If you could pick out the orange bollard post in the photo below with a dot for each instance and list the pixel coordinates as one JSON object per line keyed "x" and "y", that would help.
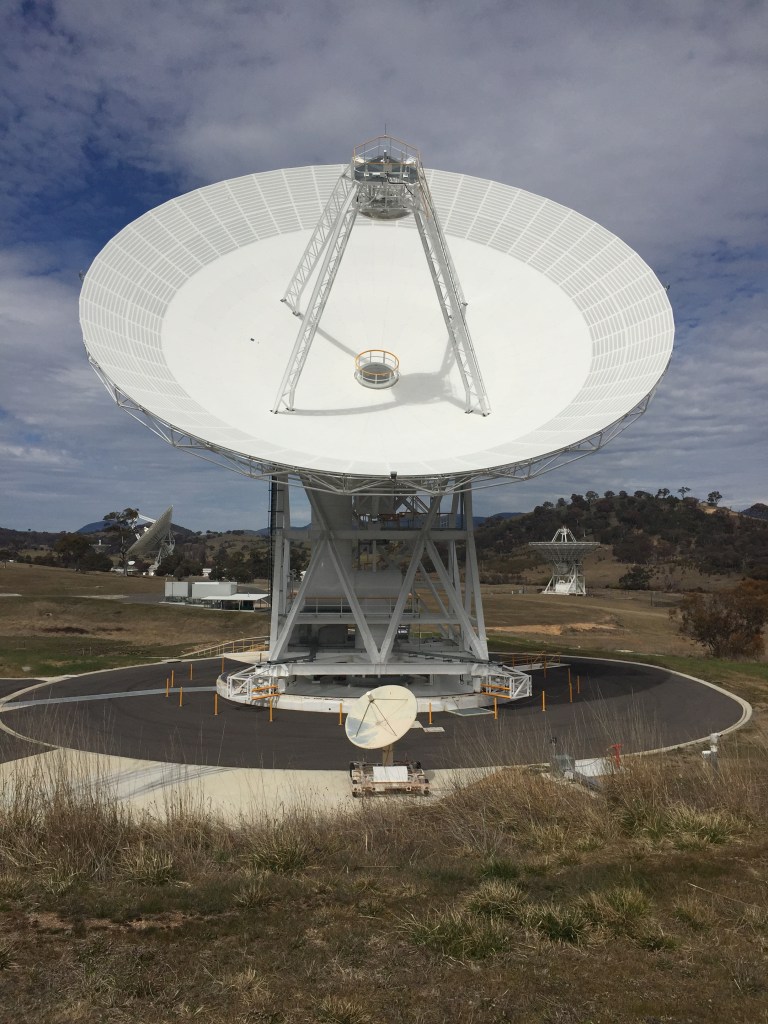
{"x": 430, "y": 712}
{"x": 167, "y": 686}
{"x": 495, "y": 707}
{"x": 215, "y": 703}
{"x": 190, "y": 670}
{"x": 173, "y": 678}
{"x": 578, "y": 684}
{"x": 570, "y": 693}
{"x": 341, "y": 709}
{"x": 270, "y": 709}
{"x": 181, "y": 696}
{"x": 543, "y": 700}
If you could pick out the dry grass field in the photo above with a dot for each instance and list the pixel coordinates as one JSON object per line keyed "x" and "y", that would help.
{"x": 514, "y": 899}
{"x": 637, "y": 621}
{"x": 66, "y": 622}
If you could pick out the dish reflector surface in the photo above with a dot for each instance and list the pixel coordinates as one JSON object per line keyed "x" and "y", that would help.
{"x": 151, "y": 538}
{"x": 181, "y": 312}
{"x": 380, "y": 717}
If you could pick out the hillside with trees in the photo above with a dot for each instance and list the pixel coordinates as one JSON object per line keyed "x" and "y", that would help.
{"x": 657, "y": 540}
{"x": 659, "y": 532}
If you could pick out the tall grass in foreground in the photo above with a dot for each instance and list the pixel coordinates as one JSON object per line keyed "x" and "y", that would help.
{"x": 181, "y": 912}
{"x": 60, "y": 818}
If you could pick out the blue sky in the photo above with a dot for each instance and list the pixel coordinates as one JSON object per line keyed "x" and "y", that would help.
{"x": 649, "y": 118}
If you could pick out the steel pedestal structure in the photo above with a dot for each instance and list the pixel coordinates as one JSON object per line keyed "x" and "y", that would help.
{"x": 391, "y": 593}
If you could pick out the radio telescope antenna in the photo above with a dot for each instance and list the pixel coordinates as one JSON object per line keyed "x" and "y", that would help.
{"x": 571, "y": 328}
{"x": 385, "y": 181}
{"x": 158, "y": 538}
{"x": 567, "y": 557}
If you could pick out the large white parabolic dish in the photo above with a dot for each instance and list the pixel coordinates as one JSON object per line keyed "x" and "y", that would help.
{"x": 182, "y": 318}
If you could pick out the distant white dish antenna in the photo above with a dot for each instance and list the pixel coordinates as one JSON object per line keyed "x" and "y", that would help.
{"x": 381, "y": 717}
{"x": 158, "y": 538}
{"x": 567, "y": 557}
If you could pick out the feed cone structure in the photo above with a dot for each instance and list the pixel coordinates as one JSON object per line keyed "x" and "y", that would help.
{"x": 388, "y": 338}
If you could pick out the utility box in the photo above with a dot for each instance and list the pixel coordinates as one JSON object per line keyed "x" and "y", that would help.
{"x": 224, "y": 588}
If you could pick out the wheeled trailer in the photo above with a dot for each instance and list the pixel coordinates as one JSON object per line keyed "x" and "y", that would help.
{"x": 401, "y": 777}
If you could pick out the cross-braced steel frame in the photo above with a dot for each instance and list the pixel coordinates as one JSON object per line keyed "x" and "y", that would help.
{"x": 436, "y": 551}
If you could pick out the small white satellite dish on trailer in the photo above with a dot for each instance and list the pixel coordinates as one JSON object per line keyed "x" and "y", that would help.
{"x": 377, "y": 720}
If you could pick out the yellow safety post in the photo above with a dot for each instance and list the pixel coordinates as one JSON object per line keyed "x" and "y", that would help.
{"x": 181, "y": 696}
{"x": 341, "y": 709}
{"x": 495, "y": 707}
{"x": 570, "y": 693}
{"x": 578, "y": 684}
{"x": 430, "y": 712}
{"x": 167, "y": 686}
{"x": 190, "y": 670}
{"x": 173, "y": 680}
{"x": 216, "y": 703}
{"x": 543, "y": 700}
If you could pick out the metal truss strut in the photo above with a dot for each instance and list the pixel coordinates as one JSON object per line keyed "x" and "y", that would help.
{"x": 317, "y": 242}
{"x": 333, "y": 246}
{"x": 450, "y": 296}
{"x": 328, "y": 242}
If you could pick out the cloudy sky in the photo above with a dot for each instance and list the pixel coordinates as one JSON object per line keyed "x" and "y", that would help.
{"x": 649, "y": 118}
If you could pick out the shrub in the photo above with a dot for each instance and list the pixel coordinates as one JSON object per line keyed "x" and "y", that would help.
{"x": 728, "y": 623}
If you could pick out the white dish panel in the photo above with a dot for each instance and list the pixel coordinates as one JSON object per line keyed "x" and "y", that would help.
{"x": 381, "y": 717}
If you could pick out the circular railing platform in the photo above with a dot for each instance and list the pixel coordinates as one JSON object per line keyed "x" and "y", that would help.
{"x": 377, "y": 368}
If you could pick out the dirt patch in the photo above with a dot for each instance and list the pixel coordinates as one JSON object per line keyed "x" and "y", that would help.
{"x": 558, "y": 630}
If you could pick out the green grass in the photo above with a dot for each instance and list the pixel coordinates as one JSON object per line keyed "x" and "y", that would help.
{"x": 54, "y": 656}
